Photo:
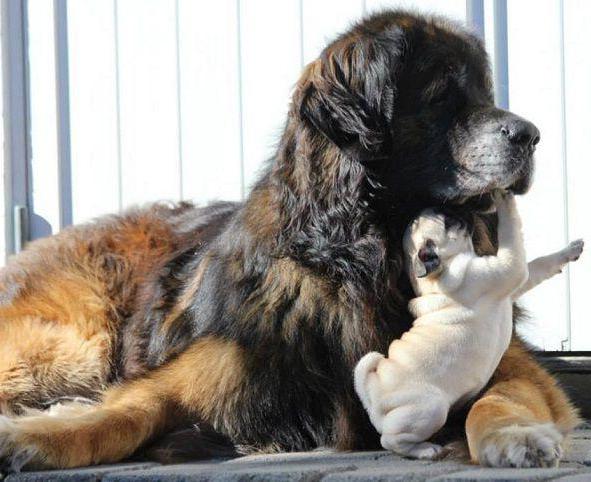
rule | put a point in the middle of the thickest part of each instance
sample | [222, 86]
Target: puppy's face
[432, 240]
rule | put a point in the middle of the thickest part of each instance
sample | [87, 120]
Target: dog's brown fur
[248, 318]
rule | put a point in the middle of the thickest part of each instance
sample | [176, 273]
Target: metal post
[16, 122]
[501, 54]
[475, 16]
[62, 84]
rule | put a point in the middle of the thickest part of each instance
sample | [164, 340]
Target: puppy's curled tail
[364, 368]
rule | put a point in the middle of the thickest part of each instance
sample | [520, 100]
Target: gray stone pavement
[326, 466]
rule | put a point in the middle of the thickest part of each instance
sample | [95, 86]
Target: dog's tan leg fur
[201, 381]
[43, 361]
[56, 340]
[523, 418]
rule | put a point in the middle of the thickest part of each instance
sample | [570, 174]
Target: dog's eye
[439, 98]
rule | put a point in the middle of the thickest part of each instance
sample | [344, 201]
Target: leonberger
[245, 320]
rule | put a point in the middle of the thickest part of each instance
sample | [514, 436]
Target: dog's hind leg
[41, 362]
[56, 335]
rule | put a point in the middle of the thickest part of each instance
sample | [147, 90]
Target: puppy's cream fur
[463, 326]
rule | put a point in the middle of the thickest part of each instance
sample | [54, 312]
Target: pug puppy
[463, 324]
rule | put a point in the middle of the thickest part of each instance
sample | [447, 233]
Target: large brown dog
[247, 319]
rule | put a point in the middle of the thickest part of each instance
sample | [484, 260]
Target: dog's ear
[426, 261]
[348, 94]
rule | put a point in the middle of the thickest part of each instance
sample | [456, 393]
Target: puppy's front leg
[544, 267]
[511, 251]
[508, 268]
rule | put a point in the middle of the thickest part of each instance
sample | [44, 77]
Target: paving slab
[329, 466]
[89, 474]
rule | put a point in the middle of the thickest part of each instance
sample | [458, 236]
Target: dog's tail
[366, 367]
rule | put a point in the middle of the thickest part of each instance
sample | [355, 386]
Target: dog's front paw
[573, 251]
[537, 445]
[14, 454]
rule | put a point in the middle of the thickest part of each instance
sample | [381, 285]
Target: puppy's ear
[427, 261]
[348, 93]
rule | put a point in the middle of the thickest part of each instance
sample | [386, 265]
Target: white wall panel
[210, 100]
[535, 92]
[455, 9]
[43, 118]
[148, 102]
[93, 108]
[323, 21]
[271, 58]
[577, 76]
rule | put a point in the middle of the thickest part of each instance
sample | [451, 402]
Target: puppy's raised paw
[504, 200]
[574, 250]
[500, 196]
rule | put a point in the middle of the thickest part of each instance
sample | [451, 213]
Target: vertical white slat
[577, 38]
[44, 194]
[534, 39]
[271, 58]
[93, 108]
[150, 160]
[210, 100]
[455, 9]
[323, 21]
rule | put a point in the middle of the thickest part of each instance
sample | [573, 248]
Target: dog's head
[432, 239]
[411, 98]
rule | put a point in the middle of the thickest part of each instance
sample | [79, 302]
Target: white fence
[184, 99]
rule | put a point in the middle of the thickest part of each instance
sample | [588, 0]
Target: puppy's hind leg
[406, 428]
[366, 367]
[406, 446]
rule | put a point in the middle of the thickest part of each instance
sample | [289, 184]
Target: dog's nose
[521, 132]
